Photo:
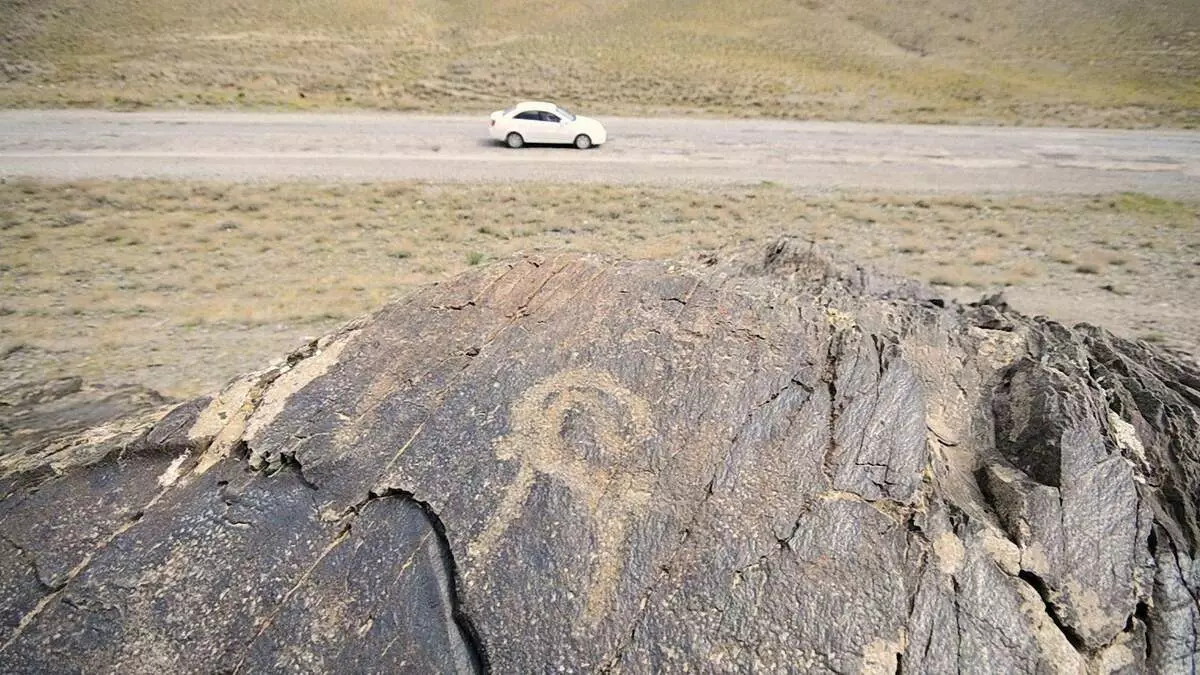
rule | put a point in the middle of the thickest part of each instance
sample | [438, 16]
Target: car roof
[534, 105]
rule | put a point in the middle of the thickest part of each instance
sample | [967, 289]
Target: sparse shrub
[1137, 202]
[69, 219]
[955, 275]
[247, 207]
[1026, 269]
[1000, 229]
[1094, 262]
[1062, 255]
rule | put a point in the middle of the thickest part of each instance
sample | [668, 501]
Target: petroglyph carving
[583, 429]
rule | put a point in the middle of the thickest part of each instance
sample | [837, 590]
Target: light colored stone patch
[1003, 552]
[1125, 436]
[223, 422]
[1059, 655]
[247, 405]
[879, 657]
[1001, 348]
[173, 472]
[1088, 608]
[937, 425]
[1009, 479]
[276, 396]
[1003, 473]
[949, 551]
[839, 320]
[1114, 658]
[1033, 558]
[841, 496]
[216, 414]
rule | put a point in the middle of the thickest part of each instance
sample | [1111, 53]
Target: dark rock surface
[773, 462]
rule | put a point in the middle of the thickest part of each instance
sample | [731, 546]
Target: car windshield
[564, 114]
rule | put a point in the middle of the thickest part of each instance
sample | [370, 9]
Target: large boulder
[769, 462]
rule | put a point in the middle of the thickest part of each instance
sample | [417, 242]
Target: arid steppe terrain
[180, 286]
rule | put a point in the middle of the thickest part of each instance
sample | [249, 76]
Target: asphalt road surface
[818, 155]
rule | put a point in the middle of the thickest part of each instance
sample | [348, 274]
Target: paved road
[816, 155]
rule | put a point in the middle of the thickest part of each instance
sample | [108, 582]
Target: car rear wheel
[514, 140]
[583, 141]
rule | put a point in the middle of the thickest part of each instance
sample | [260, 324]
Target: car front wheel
[583, 141]
[514, 140]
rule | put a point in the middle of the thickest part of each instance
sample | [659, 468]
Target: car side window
[529, 115]
[549, 117]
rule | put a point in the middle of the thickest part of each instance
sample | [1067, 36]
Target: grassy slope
[1080, 62]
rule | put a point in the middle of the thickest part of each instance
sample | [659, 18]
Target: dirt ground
[182, 285]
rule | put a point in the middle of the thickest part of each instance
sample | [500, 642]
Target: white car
[540, 122]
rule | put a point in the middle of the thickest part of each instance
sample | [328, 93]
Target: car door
[529, 124]
[556, 130]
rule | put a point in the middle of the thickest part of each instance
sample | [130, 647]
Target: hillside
[1076, 62]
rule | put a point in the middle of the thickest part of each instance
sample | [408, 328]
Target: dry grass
[956, 274]
[182, 285]
[985, 256]
[1062, 255]
[1077, 62]
[1022, 270]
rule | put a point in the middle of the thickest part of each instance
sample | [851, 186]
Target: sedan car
[540, 122]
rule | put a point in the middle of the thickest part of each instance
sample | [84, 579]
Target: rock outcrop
[773, 462]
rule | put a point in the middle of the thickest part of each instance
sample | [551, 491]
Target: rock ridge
[764, 460]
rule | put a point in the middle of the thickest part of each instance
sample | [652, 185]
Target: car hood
[588, 122]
